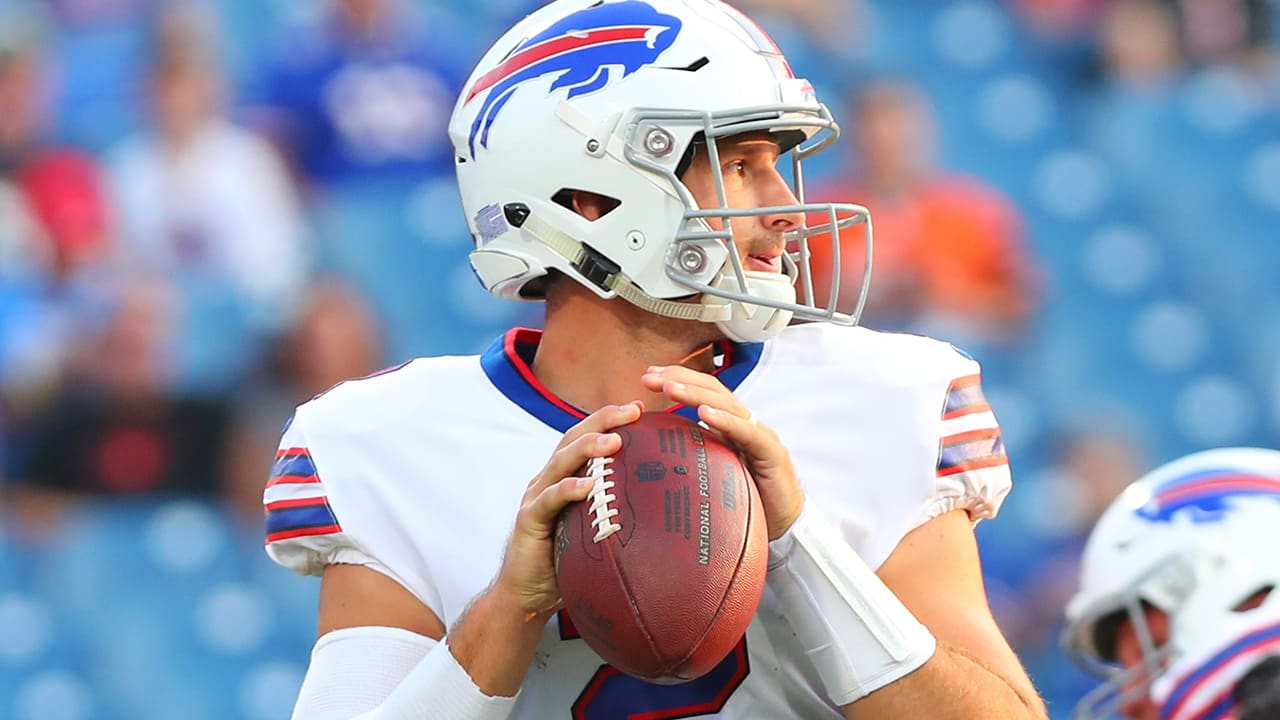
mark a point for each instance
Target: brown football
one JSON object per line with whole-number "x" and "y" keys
{"x": 662, "y": 568}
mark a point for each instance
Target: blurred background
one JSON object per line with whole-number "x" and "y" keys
{"x": 211, "y": 211}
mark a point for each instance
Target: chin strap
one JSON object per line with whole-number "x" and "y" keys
{"x": 748, "y": 321}
{"x": 739, "y": 320}
{"x": 627, "y": 290}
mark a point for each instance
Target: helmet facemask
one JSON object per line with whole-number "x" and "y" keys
{"x": 748, "y": 305}
{"x": 1091, "y": 642}
{"x": 1092, "y": 647}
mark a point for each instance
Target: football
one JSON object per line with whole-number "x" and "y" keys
{"x": 662, "y": 567}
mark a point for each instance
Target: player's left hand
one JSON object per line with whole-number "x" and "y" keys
{"x": 768, "y": 459}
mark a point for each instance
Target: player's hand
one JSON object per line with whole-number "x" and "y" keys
{"x": 768, "y": 459}
{"x": 527, "y": 577}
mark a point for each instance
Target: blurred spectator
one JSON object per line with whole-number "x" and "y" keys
{"x": 840, "y": 26}
{"x": 23, "y": 252}
{"x": 58, "y": 186}
{"x": 1234, "y": 34}
{"x": 1146, "y": 45}
{"x": 335, "y": 338}
{"x": 950, "y": 255}
{"x": 1130, "y": 114}
{"x": 1139, "y": 45}
{"x": 116, "y": 430}
{"x": 1225, "y": 31}
{"x": 365, "y": 94}
{"x": 73, "y": 13}
{"x": 1060, "y": 19}
{"x": 209, "y": 206}
{"x": 54, "y": 225}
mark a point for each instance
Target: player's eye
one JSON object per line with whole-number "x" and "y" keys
{"x": 737, "y": 168}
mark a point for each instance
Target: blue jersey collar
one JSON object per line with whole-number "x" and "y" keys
{"x": 509, "y": 365}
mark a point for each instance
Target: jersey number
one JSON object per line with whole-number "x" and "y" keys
{"x": 612, "y": 695}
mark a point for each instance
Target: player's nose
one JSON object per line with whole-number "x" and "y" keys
{"x": 775, "y": 192}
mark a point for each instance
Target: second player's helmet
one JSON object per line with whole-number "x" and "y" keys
{"x": 610, "y": 97}
{"x": 1195, "y": 539}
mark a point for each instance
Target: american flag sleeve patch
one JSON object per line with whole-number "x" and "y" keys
{"x": 295, "y": 501}
{"x": 971, "y": 439}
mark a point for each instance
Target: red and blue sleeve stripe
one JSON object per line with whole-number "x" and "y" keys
{"x": 971, "y": 450}
{"x": 293, "y": 465}
{"x": 300, "y": 518}
{"x": 964, "y": 397}
{"x": 295, "y": 501}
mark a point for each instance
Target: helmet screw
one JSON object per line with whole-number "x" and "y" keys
{"x": 593, "y": 145}
{"x": 658, "y": 142}
{"x": 692, "y": 258}
{"x": 635, "y": 239}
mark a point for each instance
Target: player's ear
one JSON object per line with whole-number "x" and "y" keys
{"x": 589, "y": 205}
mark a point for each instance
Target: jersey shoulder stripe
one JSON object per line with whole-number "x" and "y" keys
{"x": 294, "y": 501}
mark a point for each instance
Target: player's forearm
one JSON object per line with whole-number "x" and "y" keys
{"x": 872, "y": 655}
{"x": 950, "y": 686}
{"x": 495, "y": 641}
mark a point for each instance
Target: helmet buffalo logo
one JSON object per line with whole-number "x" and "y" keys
{"x": 583, "y": 49}
{"x": 1206, "y": 495}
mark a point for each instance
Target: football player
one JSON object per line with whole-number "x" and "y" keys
{"x": 1176, "y": 608}
{"x": 619, "y": 161}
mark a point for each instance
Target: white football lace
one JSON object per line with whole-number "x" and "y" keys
{"x": 598, "y": 470}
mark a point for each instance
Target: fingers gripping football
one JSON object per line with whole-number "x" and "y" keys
{"x": 527, "y": 575}
{"x": 768, "y": 459}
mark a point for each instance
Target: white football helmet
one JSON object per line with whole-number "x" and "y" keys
{"x": 609, "y": 96}
{"x": 1194, "y": 538}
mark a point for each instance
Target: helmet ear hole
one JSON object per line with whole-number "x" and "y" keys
{"x": 1254, "y": 599}
{"x": 590, "y": 205}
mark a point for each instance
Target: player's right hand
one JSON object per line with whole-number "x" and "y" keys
{"x": 527, "y": 577}
{"x": 762, "y": 449}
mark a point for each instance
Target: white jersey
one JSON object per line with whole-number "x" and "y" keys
{"x": 417, "y": 472}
